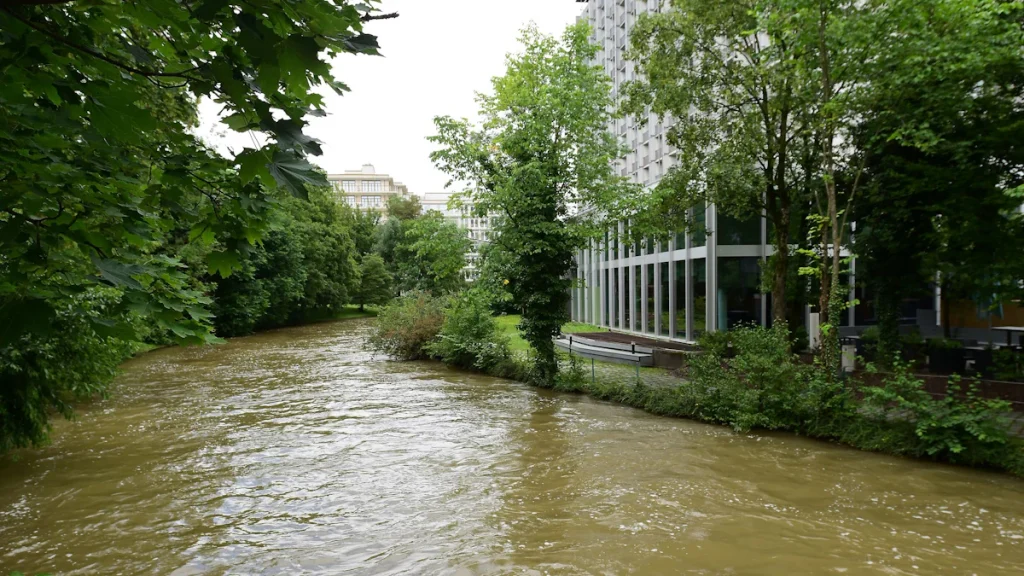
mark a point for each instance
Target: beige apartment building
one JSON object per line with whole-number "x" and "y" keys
{"x": 365, "y": 189}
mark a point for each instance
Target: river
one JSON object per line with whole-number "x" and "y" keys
{"x": 297, "y": 452}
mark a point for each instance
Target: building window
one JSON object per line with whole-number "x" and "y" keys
{"x": 372, "y": 186}
{"x": 638, "y": 299}
{"x": 615, "y": 298}
{"x": 652, "y": 304}
{"x": 699, "y": 232}
{"x": 699, "y": 272}
{"x": 371, "y": 201}
{"x": 739, "y": 292}
{"x": 351, "y": 201}
{"x": 664, "y": 309}
{"x": 626, "y": 283}
{"x": 350, "y": 186}
{"x": 736, "y": 231}
{"x": 681, "y": 299}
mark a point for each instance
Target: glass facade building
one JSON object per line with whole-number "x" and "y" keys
{"x": 709, "y": 279}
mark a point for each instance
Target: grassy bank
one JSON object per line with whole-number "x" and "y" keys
{"x": 758, "y": 385}
{"x": 507, "y": 326}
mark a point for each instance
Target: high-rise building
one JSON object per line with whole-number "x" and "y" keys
{"x": 711, "y": 279}
{"x": 690, "y": 284}
{"x": 365, "y": 189}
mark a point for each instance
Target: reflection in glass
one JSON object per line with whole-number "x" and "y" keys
{"x": 700, "y": 295}
{"x": 699, "y": 233}
{"x": 651, "y": 302}
{"x": 681, "y": 299}
{"x": 638, "y": 296}
{"x": 627, "y": 283}
{"x": 739, "y": 292}
{"x": 614, "y": 297}
{"x": 734, "y": 231}
{"x": 664, "y": 311}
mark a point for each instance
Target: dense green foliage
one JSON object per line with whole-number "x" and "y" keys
{"x": 303, "y": 270}
{"x": 470, "y": 337}
{"x": 374, "y": 282}
{"x": 941, "y": 143}
{"x": 902, "y": 116}
{"x": 48, "y": 371}
{"x": 542, "y": 148}
{"x": 112, "y": 210}
{"x": 431, "y": 254}
{"x": 404, "y": 208}
{"x": 406, "y": 327}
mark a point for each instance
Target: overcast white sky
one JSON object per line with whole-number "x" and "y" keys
{"x": 436, "y": 55}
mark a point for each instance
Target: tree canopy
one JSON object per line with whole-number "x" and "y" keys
{"x": 108, "y": 200}
{"x": 543, "y": 148}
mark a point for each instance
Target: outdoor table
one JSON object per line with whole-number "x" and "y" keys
{"x": 1010, "y": 331}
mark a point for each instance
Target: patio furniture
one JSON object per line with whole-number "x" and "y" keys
{"x": 1010, "y": 331}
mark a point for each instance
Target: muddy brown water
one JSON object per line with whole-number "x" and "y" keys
{"x": 296, "y": 452}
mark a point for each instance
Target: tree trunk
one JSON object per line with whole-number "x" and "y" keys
{"x": 781, "y": 271}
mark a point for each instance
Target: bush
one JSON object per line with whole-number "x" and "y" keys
{"x": 469, "y": 337}
{"x": 763, "y": 386}
{"x": 408, "y": 325}
{"x": 961, "y": 427}
{"x": 48, "y": 372}
{"x": 717, "y": 343}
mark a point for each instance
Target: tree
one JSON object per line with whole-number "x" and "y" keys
{"x": 404, "y": 208}
{"x": 374, "y": 282}
{"x": 386, "y": 239}
{"x": 940, "y": 130}
{"x": 364, "y": 226}
{"x": 542, "y": 149}
{"x": 101, "y": 163}
{"x": 729, "y": 76}
{"x": 304, "y": 269}
{"x": 431, "y": 254}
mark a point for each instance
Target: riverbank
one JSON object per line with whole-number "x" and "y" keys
{"x": 895, "y": 417}
{"x": 348, "y": 312}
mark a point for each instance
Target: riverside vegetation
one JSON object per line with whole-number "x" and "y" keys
{"x": 748, "y": 381}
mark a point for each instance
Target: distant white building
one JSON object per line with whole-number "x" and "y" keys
{"x": 478, "y": 228}
{"x": 365, "y": 189}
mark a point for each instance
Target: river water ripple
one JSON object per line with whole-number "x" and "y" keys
{"x": 296, "y": 452}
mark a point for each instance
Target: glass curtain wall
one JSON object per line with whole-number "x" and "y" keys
{"x": 739, "y": 292}
{"x": 627, "y": 283}
{"x": 638, "y": 296}
{"x": 681, "y": 299}
{"x": 699, "y": 280}
{"x": 664, "y": 310}
{"x": 614, "y": 297}
{"x": 652, "y": 304}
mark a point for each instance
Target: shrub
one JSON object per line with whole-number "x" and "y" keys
{"x": 717, "y": 343}
{"x": 961, "y": 427}
{"x": 1008, "y": 364}
{"x": 469, "y": 337}
{"x": 762, "y": 386}
{"x": 408, "y": 325}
